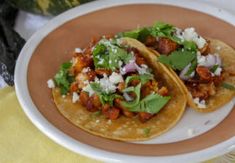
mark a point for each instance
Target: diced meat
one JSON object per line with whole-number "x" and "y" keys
{"x": 144, "y": 116}
{"x": 117, "y": 104}
{"x": 218, "y": 79}
{"x": 102, "y": 71}
{"x": 74, "y": 87}
{"x": 91, "y": 75}
{"x": 166, "y": 46}
{"x": 96, "y": 101}
{"x": 84, "y": 97}
{"x": 121, "y": 86}
{"x": 134, "y": 82}
{"x": 110, "y": 112}
{"x": 90, "y": 105}
{"x": 163, "y": 91}
{"x": 150, "y": 41}
{"x": 149, "y": 87}
{"x": 82, "y": 62}
{"x": 204, "y": 73}
{"x": 140, "y": 60}
{"x": 202, "y": 91}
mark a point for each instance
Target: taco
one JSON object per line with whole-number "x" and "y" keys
{"x": 114, "y": 89}
{"x": 204, "y": 68}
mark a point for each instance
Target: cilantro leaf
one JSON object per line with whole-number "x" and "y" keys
{"x": 228, "y": 86}
{"x": 63, "y": 79}
{"x": 213, "y": 69}
{"x": 146, "y": 131}
{"x": 139, "y": 34}
{"x": 161, "y": 29}
{"x": 189, "y": 45}
{"x": 143, "y": 78}
{"x": 192, "y": 67}
{"x": 178, "y": 60}
{"x": 107, "y": 54}
{"x": 103, "y": 96}
{"x": 152, "y": 103}
{"x": 131, "y": 105}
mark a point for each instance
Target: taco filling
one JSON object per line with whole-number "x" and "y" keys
{"x": 110, "y": 84}
{"x": 194, "y": 59}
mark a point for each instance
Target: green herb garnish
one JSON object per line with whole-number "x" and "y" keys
{"x": 103, "y": 96}
{"x": 144, "y": 78}
{"x": 178, "y": 60}
{"x": 228, "y": 86}
{"x": 146, "y": 131}
{"x": 192, "y": 67}
{"x": 135, "y": 102}
{"x": 107, "y": 54}
{"x": 63, "y": 79}
{"x": 139, "y": 34}
{"x": 214, "y": 68}
{"x": 152, "y": 103}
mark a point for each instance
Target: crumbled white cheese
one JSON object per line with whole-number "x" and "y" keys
{"x": 115, "y": 78}
{"x": 63, "y": 96}
{"x": 78, "y": 50}
{"x": 189, "y": 34}
{"x": 75, "y": 97}
{"x": 88, "y": 89}
{"x": 86, "y": 82}
{"x": 50, "y": 83}
{"x": 107, "y": 85}
{"x": 218, "y": 71}
{"x": 200, "y": 59}
{"x": 86, "y": 69}
{"x": 190, "y": 132}
{"x": 97, "y": 121}
{"x": 201, "y": 104}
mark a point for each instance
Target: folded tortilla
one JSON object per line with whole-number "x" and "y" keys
{"x": 222, "y": 95}
{"x": 124, "y": 128}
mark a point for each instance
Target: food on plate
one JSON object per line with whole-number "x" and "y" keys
{"x": 114, "y": 88}
{"x": 205, "y": 68}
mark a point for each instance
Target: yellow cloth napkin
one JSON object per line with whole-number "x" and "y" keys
{"x": 22, "y": 142}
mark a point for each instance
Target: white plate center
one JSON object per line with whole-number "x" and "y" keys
{"x": 192, "y": 124}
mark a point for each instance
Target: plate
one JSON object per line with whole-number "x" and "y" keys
{"x": 49, "y": 47}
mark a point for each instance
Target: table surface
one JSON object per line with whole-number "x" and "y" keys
{"x": 27, "y": 24}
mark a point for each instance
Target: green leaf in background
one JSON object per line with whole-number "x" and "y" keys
{"x": 178, "y": 60}
{"x": 47, "y": 7}
{"x": 63, "y": 79}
